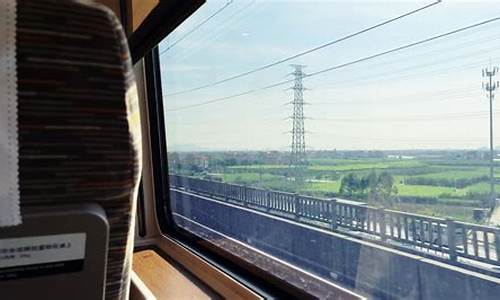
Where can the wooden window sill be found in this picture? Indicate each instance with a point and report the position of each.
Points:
(166, 280)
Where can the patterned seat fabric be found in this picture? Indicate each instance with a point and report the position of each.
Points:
(77, 117)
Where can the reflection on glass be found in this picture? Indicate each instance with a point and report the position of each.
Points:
(293, 110)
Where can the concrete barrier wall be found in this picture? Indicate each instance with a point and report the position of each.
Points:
(377, 270)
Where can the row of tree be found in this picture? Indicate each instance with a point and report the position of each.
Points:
(373, 187)
(456, 183)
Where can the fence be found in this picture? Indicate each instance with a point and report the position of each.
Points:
(451, 239)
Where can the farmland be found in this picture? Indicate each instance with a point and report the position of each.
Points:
(444, 185)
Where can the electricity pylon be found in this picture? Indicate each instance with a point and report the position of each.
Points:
(490, 86)
(298, 160)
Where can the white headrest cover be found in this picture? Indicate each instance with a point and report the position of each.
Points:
(9, 180)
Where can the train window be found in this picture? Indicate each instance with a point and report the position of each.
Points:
(350, 141)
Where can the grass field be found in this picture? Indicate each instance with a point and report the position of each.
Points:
(360, 168)
(482, 188)
(258, 167)
(429, 191)
(457, 174)
(247, 177)
(323, 187)
(333, 186)
(368, 166)
(326, 188)
(462, 213)
(323, 178)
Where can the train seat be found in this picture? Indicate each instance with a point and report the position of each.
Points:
(78, 154)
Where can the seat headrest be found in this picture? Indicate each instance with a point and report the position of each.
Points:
(77, 120)
(9, 183)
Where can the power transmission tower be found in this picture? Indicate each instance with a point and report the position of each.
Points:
(298, 160)
(489, 86)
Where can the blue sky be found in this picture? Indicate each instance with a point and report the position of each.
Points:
(425, 97)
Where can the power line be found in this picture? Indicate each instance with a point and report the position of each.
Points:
(406, 99)
(394, 73)
(230, 96)
(438, 141)
(447, 50)
(194, 45)
(302, 53)
(370, 57)
(418, 140)
(435, 117)
(366, 80)
(404, 47)
(197, 26)
(448, 92)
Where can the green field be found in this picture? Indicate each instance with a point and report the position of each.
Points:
(321, 187)
(451, 188)
(247, 177)
(462, 213)
(259, 167)
(368, 166)
(430, 191)
(457, 174)
(328, 187)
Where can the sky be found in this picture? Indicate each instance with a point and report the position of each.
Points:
(424, 97)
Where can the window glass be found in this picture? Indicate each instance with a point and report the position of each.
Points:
(347, 140)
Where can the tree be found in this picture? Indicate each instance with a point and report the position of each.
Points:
(369, 182)
(349, 184)
(385, 191)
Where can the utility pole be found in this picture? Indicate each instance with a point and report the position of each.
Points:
(489, 86)
(298, 156)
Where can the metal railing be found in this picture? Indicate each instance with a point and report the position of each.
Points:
(446, 237)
